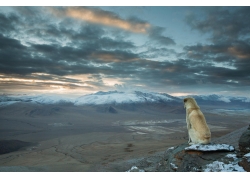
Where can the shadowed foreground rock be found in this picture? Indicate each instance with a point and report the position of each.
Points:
(245, 162)
(195, 158)
(244, 141)
(200, 158)
(213, 157)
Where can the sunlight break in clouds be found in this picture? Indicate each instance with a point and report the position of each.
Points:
(102, 17)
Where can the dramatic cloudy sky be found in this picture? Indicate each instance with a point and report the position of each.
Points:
(79, 50)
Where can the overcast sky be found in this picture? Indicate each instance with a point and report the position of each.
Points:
(78, 50)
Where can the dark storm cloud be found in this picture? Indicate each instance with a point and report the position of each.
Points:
(223, 23)
(228, 29)
(154, 52)
(9, 43)
(7, 22)
(155, 34)
(85, 44)
(51, 50)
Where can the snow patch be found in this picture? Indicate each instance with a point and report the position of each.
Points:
(173, 166)
(247, 155)
(210, 147)
(231, 156)
(218, 166)
(135, 169)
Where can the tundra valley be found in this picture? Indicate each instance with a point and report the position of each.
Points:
(103, 131)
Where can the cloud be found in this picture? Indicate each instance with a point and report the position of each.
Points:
(222, 23)
(107, 18)
(98, 16)
(157, 52)
(7, 22)
(63, 54)
(155, 34)
(228, 48)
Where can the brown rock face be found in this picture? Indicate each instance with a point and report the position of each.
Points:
(245, 163)
(244, 141)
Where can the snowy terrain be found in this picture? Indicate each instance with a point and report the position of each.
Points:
(116, 97)
(231, 166)
(111, 97)
(40, 99)
(220, 98)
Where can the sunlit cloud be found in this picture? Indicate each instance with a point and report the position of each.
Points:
(113, 57)
(239, 53)
(98, 16)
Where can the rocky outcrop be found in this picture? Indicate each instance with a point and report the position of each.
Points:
(214, 157)
(245, 162)
(200, 158)
(244, 141)
(195, 158)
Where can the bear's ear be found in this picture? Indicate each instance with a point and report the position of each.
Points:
(185, 100)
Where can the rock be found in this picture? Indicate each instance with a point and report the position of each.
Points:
(200, 158)
(214, 157)
(195, 158)
(245, 162)
(244, 141)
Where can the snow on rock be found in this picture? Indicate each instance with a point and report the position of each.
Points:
(210, 147)
(230, 164)
(173, 166)
(218, 166)
(247, 157)
(135, 169)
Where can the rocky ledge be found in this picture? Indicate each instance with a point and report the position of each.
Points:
(214, 157)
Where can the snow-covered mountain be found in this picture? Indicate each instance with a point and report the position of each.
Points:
(221, 98)
(40, 99)
(117, 97)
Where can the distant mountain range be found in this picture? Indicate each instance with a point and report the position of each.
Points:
(117, 97)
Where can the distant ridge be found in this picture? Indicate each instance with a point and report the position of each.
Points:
(119, 97)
